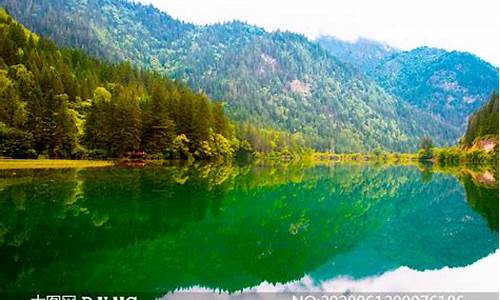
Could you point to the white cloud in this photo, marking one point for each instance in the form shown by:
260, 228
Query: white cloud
450, 24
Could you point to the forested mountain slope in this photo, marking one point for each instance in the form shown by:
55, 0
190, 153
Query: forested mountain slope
364, 54
278, 79
65, 104
484, 122
449, 85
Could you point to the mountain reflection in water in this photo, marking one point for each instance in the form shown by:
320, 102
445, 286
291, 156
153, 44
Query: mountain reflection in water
160, 229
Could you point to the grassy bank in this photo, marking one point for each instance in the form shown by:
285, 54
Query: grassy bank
11, 164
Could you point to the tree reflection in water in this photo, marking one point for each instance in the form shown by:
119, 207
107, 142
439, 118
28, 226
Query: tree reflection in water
158, 229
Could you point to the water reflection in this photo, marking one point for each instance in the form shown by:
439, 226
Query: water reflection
161, 229
483, 198
481, 276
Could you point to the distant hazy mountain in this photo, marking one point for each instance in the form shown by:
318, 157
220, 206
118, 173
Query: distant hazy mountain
363, 53
450, 85
277, 79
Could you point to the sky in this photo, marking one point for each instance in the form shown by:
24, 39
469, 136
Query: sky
466, 25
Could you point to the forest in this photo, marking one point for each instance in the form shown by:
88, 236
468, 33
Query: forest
479, 144
62, 103
276, 80
451, 85
484, 122
58, 102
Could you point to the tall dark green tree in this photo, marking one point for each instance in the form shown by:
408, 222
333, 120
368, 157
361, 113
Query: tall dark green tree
158, 127
220, 120
202, 120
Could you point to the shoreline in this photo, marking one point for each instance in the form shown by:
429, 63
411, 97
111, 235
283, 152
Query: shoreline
14, 164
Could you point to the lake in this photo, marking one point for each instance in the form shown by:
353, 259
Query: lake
164, 230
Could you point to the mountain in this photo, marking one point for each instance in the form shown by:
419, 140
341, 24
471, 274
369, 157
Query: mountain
484, 122
61, 103
362, 53
449, 85
279, 79
478, 146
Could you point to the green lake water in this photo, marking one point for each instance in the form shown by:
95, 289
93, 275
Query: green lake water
156, 230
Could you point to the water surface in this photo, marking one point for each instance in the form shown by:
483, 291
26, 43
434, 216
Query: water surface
158, 230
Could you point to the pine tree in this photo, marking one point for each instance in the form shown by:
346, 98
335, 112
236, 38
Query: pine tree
159, 129
221, 123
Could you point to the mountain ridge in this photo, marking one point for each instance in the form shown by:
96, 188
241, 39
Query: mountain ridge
363, 53
451, 85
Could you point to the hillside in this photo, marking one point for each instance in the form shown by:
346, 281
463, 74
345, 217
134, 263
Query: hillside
279, 80
61, 103
483, 123
364, 54
478, 146
449, 85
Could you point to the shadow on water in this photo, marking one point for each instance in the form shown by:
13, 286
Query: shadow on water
483, 198
159, 229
